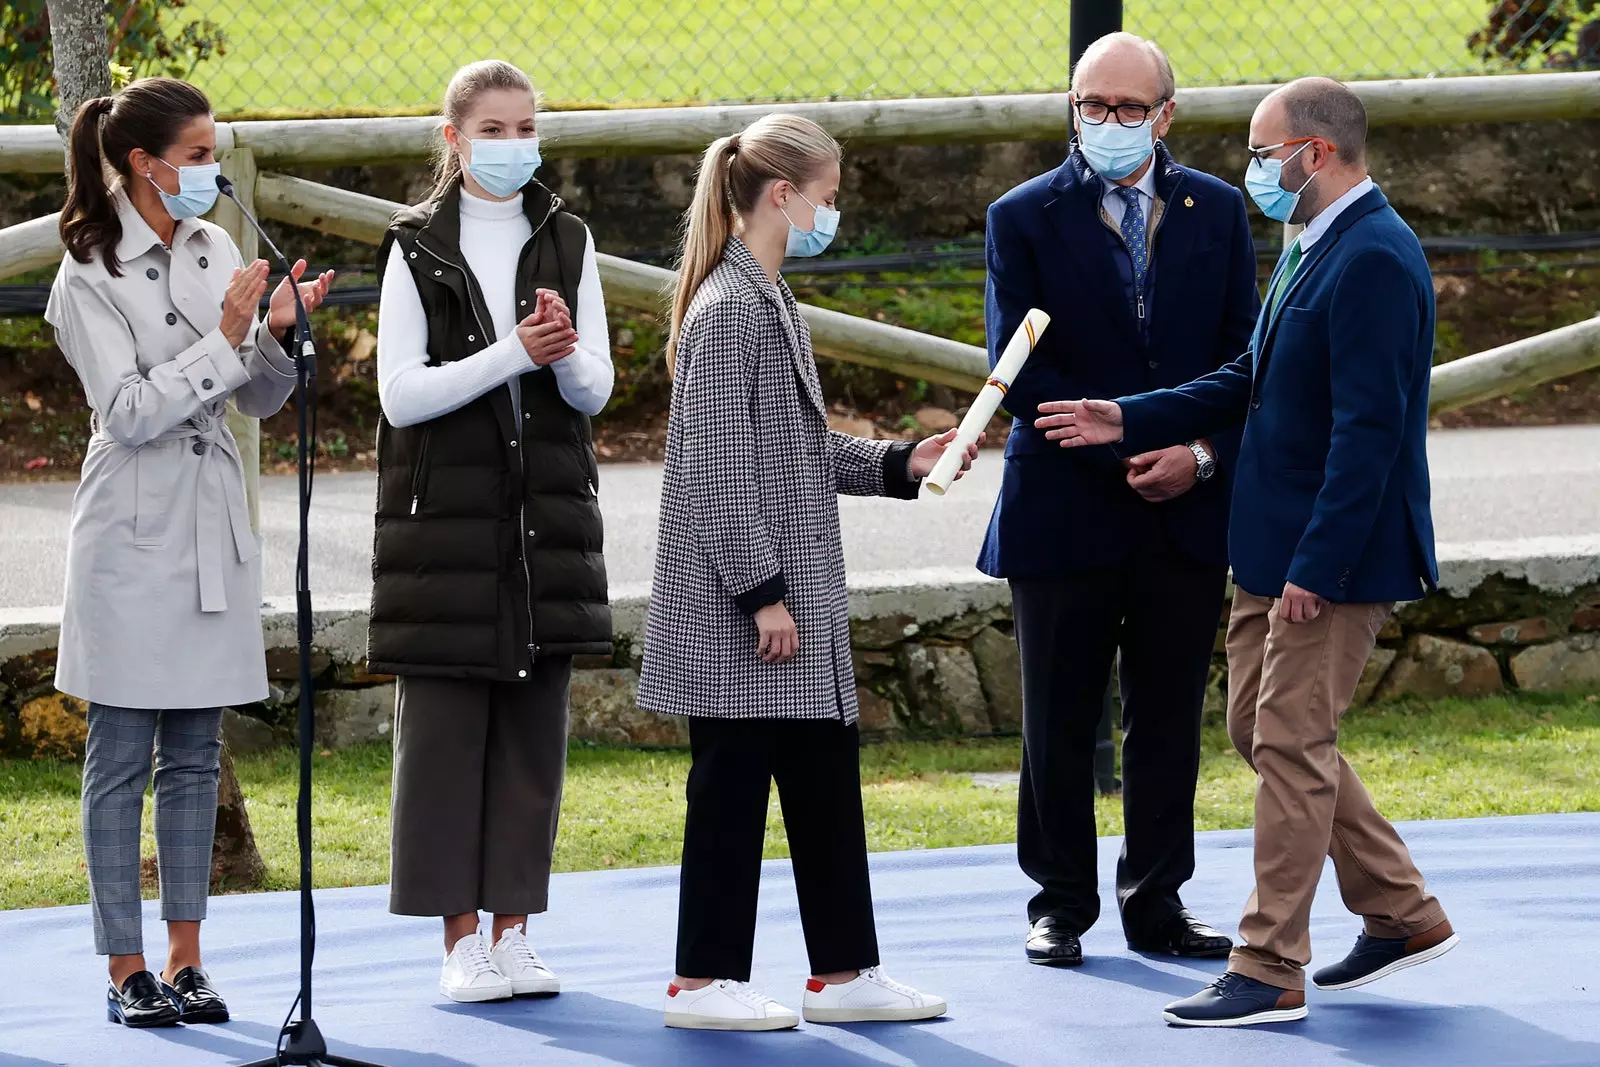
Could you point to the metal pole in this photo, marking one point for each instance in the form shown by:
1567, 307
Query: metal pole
1092, 20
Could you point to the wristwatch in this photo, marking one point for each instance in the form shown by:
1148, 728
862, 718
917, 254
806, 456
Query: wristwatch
1206, 465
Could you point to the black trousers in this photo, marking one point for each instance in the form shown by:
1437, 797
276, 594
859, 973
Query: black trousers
817, 765
1161, 610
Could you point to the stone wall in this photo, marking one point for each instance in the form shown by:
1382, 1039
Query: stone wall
934, 656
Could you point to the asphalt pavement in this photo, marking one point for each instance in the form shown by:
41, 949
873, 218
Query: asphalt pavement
1489, 485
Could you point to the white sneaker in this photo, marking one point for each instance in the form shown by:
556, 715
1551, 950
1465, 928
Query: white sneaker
469, 977
726, 1005
514, 958
873, 997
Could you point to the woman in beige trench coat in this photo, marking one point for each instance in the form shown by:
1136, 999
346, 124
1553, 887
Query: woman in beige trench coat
161, 629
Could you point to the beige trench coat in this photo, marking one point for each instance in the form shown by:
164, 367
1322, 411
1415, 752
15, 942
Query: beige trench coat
163, 597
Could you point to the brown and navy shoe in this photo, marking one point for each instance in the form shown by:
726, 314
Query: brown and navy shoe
1378, 957
1235, 1000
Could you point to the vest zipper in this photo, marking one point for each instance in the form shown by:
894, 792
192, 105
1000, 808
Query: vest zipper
419, 478
1150, 242
522, 505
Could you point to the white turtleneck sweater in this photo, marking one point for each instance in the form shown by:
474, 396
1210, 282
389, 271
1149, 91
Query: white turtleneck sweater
493, 234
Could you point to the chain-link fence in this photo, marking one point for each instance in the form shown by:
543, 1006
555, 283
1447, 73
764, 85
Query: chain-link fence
364, 56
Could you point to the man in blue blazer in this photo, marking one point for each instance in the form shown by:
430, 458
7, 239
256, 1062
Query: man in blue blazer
1331, 526
1147, 270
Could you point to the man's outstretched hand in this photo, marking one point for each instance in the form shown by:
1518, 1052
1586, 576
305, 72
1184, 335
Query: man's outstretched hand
1076, 423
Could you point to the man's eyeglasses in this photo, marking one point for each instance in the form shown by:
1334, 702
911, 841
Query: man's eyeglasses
1096, 112
1264, 153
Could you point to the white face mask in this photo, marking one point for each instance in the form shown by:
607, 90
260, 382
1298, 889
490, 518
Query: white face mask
812, 242
197, 189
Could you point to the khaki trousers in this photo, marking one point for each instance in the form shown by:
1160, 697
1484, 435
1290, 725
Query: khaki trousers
1288, 686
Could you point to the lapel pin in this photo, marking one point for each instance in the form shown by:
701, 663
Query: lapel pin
1188, 201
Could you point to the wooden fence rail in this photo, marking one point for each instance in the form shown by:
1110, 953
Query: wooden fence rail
845, 337
1041, 116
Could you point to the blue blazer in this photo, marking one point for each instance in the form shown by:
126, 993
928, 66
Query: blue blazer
1050, 247
1331, 488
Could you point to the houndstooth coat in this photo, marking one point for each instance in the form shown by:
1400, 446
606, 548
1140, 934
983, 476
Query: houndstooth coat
750, 511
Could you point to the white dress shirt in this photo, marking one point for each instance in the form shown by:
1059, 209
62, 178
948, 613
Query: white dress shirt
1324, 219
1115, 206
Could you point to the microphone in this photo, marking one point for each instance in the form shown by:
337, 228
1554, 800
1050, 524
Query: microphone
308, 351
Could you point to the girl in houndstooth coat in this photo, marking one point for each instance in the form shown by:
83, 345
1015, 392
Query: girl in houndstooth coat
748, 633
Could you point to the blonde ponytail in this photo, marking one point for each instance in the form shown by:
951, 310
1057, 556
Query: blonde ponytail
707, 226
460, 97
733, 174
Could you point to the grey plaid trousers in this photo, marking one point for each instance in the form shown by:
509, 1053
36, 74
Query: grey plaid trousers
186, 749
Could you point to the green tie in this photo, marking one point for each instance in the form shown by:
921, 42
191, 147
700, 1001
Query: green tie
1282, 285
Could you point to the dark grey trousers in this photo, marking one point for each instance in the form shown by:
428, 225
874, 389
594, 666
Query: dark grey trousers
185, 747
478, 768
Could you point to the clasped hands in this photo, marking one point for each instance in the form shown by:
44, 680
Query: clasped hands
1076, 423
547, 334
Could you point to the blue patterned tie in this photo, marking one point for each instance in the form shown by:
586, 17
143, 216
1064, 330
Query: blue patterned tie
1133, 232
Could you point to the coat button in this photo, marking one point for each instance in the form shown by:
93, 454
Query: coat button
438, 274
513, 444
526, 415
413, 255
199, 448
472, 337
172, 319
1154, 364
522, 674
522, 303
530, 533
152, 274
203, 263
1255, 403
206, 383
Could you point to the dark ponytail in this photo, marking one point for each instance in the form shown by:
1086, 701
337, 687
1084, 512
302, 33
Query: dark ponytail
149, 114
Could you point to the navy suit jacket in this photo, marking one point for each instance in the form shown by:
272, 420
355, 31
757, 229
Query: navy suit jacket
1331, 488
1049, 247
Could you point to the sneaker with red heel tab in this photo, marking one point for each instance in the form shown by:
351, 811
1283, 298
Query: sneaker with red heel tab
873, 997
726, 1005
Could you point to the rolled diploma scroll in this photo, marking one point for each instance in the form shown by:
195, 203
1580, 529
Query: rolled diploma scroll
988, 401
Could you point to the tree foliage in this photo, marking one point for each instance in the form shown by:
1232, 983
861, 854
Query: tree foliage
1552, 34
146, 37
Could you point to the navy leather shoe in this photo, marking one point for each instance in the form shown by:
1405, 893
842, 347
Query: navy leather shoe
1378, 957
1234, 1000
191, 990
140, 1003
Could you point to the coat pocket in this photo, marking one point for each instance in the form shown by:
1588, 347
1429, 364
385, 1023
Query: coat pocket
156, 466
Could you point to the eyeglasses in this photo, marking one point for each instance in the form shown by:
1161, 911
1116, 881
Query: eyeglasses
1096, 112
1260, 155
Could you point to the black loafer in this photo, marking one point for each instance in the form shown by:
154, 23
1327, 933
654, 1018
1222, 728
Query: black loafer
1051, 944
1378, 957
191, 990
140, 1003
1184, 935
1234, 1000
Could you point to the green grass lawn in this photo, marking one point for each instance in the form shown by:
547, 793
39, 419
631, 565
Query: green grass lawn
373, 54
624, 808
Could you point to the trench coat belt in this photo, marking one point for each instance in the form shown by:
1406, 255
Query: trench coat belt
219, 499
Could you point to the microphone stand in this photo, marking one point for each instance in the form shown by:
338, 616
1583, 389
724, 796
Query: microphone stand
300, 1042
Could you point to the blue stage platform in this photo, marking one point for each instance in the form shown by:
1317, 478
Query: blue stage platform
1522, 990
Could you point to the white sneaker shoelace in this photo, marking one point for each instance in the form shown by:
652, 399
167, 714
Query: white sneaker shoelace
473, 957
515, 943
883, 981
745, 994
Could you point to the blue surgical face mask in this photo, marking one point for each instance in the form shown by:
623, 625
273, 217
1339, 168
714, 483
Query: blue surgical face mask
1114, 150
1262, 180
197, 190
813, 241
504, 165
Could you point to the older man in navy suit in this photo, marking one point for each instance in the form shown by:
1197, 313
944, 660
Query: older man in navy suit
1331, 526
1148, 271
